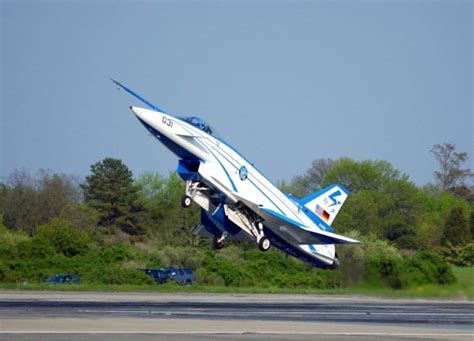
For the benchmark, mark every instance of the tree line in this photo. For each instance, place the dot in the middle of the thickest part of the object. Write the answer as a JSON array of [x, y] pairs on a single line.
[[112, 221]]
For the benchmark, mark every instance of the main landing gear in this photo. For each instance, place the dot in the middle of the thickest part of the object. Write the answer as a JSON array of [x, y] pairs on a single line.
[[264, 244], [217, 244]]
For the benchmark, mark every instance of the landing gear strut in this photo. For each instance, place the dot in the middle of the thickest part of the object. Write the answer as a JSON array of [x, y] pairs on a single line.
[[263, 242]]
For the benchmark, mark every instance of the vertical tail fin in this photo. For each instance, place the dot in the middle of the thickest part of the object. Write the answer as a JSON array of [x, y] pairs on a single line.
[[327, 202]]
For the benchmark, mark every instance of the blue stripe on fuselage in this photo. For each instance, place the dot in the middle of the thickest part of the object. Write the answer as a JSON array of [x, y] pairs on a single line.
[[225, 170], [282, 217]]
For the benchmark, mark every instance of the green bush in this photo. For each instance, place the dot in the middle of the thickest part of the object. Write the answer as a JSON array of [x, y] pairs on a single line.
[[374, 260], [384, 269], [204, 277], [460, 255], [189, 257], [426, 268], [231, 273], [118, 274], [117, 253], [64, 237]]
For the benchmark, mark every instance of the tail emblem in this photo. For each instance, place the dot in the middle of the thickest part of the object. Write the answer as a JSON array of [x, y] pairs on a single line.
[[333, 197]]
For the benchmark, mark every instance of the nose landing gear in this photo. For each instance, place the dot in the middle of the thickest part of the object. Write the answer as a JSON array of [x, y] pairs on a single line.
[[186, 201]]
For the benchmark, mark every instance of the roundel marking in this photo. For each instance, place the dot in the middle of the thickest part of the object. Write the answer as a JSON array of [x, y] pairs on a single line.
[[243, 173]]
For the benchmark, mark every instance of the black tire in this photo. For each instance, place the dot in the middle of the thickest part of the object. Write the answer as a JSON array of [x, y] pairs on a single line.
[[217, 244], [264, 244], [186, 201]]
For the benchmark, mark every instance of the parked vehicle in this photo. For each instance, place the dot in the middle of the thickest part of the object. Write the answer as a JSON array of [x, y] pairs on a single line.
[[60, 279], [179, 275], [159, 275]]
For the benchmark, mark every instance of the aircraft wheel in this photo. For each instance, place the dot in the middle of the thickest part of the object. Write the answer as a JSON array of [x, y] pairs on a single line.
[[217, 244], [264, 244], [186, 201]]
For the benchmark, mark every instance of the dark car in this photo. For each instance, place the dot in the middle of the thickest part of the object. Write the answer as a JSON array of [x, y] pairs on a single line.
[[179, 275], [159, 275], [59, 279]]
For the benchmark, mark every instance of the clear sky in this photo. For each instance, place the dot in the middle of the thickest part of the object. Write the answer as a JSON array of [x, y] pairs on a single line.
[[285, 82]]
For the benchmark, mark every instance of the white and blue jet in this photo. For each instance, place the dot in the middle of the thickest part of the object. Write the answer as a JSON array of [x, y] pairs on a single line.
[[236, 200]]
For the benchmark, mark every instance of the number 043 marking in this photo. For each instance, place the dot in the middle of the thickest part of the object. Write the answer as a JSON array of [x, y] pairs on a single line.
[[167, 121]]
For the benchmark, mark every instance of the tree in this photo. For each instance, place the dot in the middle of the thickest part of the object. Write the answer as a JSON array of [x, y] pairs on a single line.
[[111, 191], [28, 201], [20, 202], [471, 224], [456, 231], [363, 175], [383, 201], [450, 174], [3, 195], [163, 212], [55, 193], [465, 192], [310, 182], [399, 212]]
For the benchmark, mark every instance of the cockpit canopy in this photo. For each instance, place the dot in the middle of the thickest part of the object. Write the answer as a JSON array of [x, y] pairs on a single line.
[[202, 125], [198, 123]]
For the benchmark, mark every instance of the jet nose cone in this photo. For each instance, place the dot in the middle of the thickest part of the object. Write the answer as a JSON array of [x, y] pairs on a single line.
[[144, 115], [148, 118], [137, 111]]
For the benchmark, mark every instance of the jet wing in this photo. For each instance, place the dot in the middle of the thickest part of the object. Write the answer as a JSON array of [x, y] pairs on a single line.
[[294, 230], [283, 225]]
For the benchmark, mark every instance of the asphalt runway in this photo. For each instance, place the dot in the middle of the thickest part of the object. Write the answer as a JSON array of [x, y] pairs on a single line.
[[77, 316]]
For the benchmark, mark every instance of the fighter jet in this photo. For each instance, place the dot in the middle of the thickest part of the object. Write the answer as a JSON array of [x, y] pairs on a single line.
[[236, 200]]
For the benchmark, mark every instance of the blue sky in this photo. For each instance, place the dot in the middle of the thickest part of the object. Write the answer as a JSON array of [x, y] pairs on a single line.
[[284, 82]]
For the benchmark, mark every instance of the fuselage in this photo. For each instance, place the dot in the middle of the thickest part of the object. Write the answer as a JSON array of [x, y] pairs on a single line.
[[226, 170]]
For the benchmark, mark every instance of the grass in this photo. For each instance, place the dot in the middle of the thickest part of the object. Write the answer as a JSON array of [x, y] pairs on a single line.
[[463, 289]]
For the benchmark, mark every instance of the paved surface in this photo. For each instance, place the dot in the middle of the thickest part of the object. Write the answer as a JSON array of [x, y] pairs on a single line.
[[77, 316], [402, 313], [204, 337]]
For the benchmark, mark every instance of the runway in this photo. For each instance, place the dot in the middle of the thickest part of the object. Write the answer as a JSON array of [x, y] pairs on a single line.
[[204, 316]]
